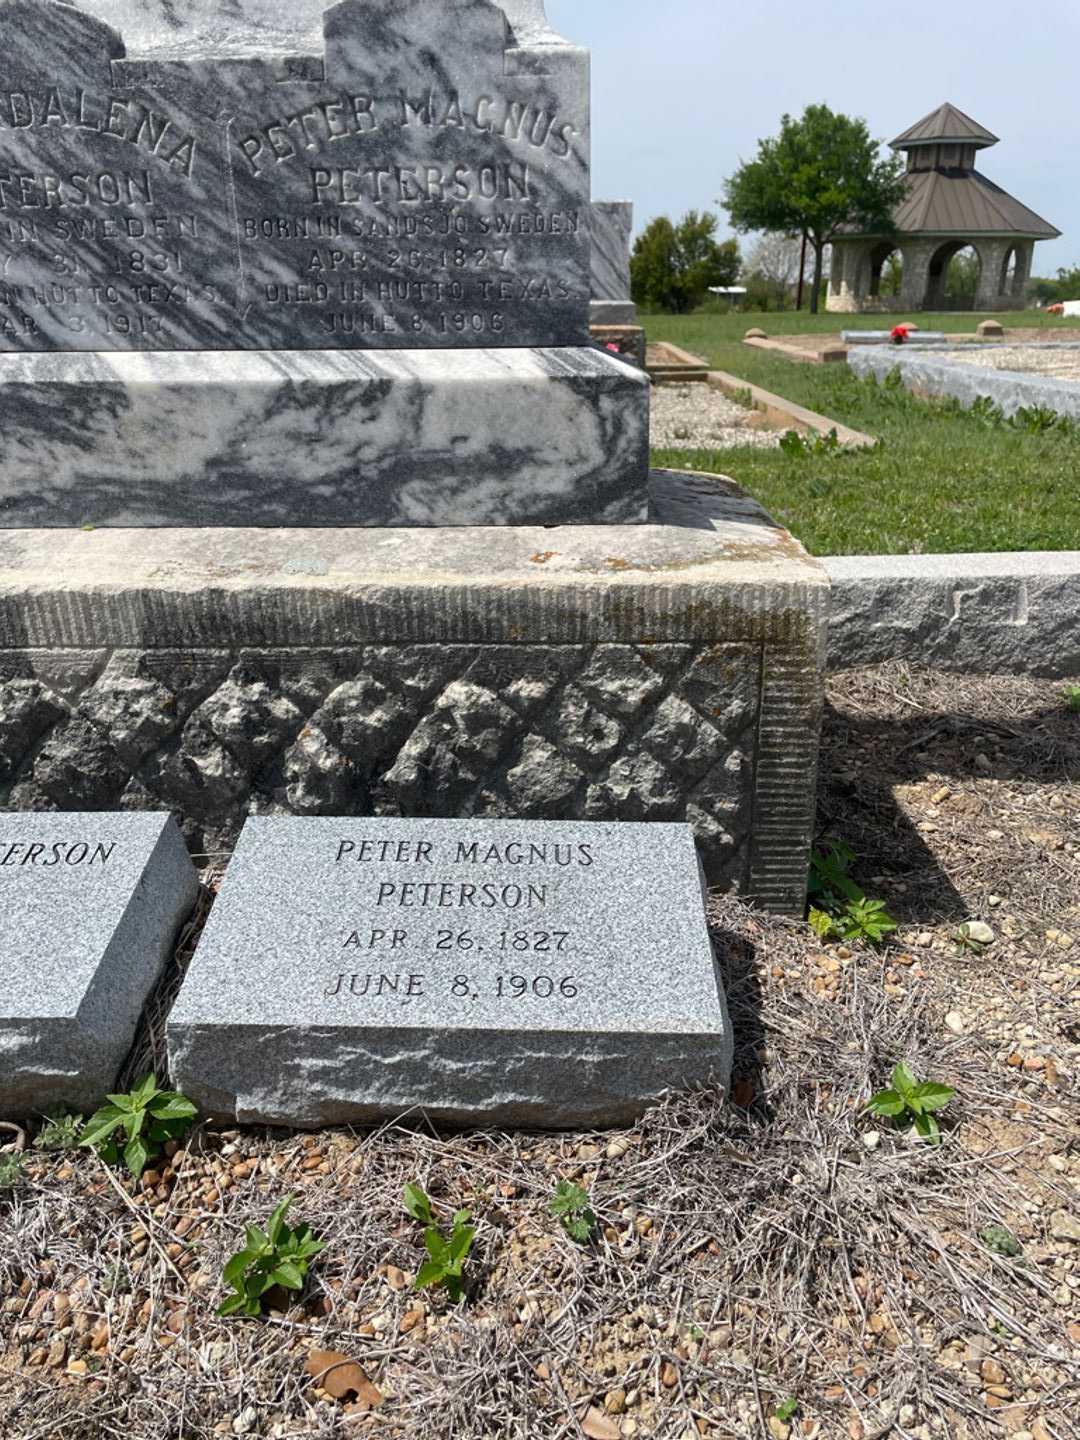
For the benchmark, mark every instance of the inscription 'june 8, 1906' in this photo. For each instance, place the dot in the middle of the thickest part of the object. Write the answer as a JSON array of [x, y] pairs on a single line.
[[502, 939]]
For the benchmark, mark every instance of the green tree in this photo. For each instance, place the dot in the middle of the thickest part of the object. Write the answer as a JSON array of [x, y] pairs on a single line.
[[962, 276], [673, 266], [892, 276], [1065, 287], [822, 173]]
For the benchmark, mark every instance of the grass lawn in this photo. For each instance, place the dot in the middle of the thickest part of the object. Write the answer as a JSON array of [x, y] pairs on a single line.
[[940, 480]]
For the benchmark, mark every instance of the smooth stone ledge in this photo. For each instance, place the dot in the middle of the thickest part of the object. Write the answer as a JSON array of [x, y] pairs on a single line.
[[1002, 614], [1010, 390], [322, 438], [711, 566]]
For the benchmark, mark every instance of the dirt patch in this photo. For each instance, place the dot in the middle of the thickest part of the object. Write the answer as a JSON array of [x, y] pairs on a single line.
[[784, 1246]]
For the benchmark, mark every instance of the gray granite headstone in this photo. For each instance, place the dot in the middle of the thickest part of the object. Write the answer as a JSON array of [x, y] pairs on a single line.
[[91, 904], [411, 177], [611, 222], [485, 972]]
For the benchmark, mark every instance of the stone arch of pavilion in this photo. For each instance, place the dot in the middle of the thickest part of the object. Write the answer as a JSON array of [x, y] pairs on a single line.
[[948, 207]]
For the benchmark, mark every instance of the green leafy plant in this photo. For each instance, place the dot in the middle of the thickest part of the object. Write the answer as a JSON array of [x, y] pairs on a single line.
[[1071, 696], [801, 447], [1001, 1241], [276, 1256], [142, 1121], [913, 1102], [446, 1253], [570, 1206], [1035, 420], [839, 909], [11, 1171], [61, 1130], [787, 1409], [983, 408]]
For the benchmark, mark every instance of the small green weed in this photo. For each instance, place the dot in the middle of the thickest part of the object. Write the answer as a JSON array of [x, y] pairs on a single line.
[[913, 1102], [147, 1116], [61, 1130], [446, 1253], [1001, 1241], [1071, 696], [803, 447], [787, 1409], [278, 1255], [11, 1171], [839, 909], [570, 1206], [1038, 420]]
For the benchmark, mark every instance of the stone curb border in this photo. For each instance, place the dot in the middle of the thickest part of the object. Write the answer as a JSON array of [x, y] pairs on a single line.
[[1010, 390], [785, 413], [674, 365], [1015, 613], [798, 353]]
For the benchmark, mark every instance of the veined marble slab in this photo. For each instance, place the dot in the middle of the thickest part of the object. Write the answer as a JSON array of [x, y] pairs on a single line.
[[322, 438], [383, 174]]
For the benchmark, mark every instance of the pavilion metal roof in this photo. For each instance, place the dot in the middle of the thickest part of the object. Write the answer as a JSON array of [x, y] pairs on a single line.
[[943, 126], [963, 202]]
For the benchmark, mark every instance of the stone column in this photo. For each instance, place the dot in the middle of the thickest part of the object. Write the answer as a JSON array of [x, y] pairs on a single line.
[[1025, 257], [917, 256], [992, 254]]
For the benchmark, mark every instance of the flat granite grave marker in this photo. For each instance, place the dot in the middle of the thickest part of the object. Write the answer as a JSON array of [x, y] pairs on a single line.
[[91, 906], [486, 972]]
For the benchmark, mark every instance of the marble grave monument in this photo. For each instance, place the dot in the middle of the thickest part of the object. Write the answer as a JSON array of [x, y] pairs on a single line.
[[344, 282], [229, 582]]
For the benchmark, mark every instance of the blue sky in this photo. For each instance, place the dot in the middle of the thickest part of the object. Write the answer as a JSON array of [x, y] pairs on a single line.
[[683, 89]]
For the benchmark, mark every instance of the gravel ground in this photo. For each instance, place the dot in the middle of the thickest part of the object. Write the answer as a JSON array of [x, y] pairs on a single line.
[[781, 1246], [697, 417], [1029, 359]]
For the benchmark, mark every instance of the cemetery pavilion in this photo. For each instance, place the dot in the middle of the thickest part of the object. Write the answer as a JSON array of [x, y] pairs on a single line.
[[949, 207]]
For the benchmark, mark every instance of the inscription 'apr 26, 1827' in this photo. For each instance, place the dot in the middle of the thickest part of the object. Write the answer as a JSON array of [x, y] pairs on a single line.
[[423, 183]]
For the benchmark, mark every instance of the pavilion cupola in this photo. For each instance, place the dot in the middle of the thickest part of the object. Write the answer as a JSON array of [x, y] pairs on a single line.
[[946, 139]]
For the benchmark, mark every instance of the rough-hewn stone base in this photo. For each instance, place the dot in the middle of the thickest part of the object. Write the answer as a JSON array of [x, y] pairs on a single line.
[[656, 672]]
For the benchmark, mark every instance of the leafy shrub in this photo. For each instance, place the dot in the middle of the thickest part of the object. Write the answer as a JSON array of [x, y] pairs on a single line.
[[839, 909], [803, 447], [147, 1116], [61, 1130], [11, 1171], [446, 1253], [276, 1256], [912, 1102], [570, 1206]]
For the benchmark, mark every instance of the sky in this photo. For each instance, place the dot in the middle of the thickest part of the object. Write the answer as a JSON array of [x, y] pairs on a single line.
[[684, 89]]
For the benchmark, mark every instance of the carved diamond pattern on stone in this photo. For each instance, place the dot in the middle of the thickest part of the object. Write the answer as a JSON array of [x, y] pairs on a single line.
[[136, 713], [619, 680], [250, 718], [637, 787], [585, 732], [450, 754], [562, 732], [27, 712], [544, 783], [679, 736]]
